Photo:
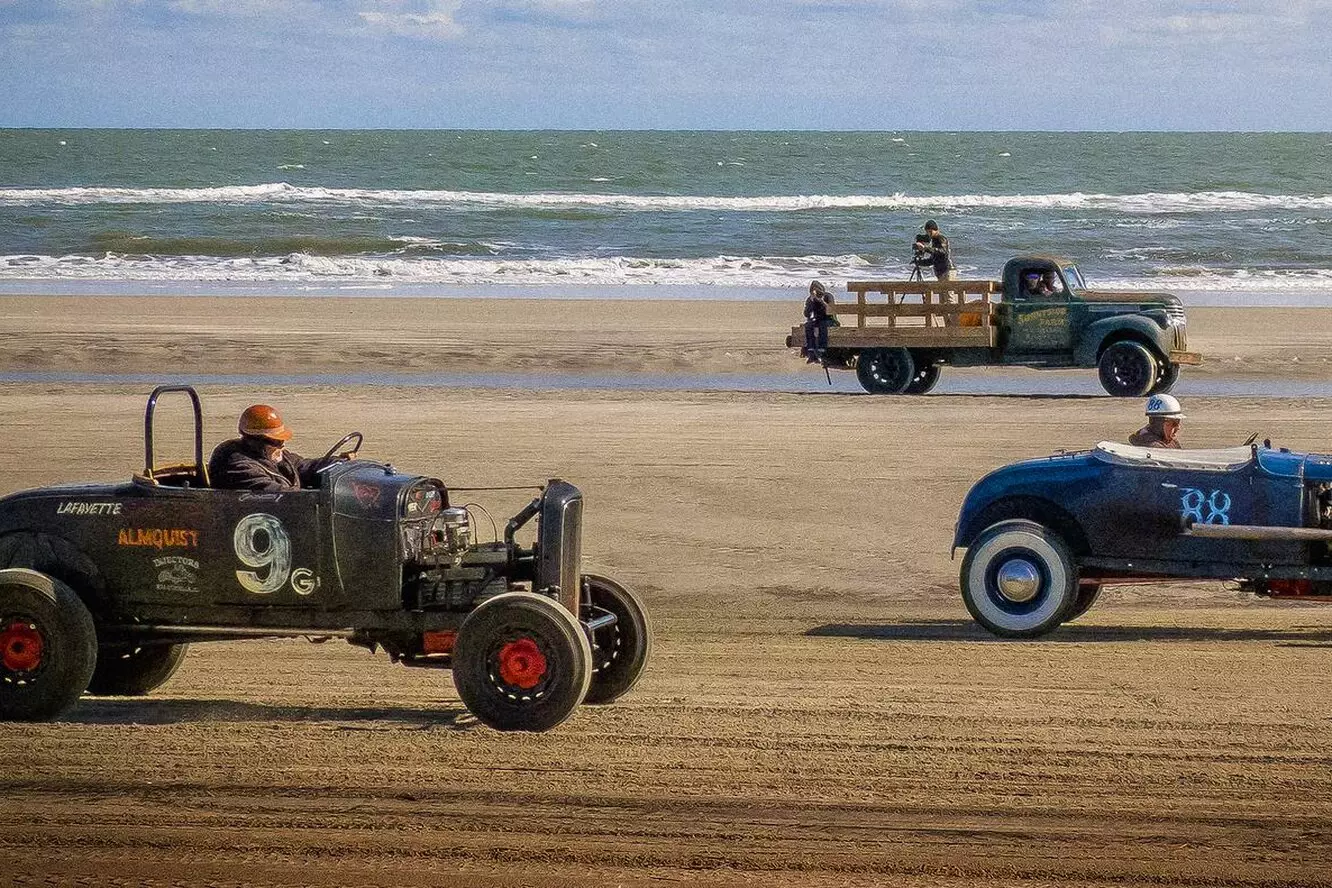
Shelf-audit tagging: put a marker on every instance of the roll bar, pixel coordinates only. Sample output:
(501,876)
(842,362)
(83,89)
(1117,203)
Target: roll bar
(148,427)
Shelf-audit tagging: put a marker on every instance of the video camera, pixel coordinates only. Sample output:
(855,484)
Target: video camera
(922,255)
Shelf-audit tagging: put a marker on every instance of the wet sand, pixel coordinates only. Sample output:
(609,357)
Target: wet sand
(321,335)
(820,709)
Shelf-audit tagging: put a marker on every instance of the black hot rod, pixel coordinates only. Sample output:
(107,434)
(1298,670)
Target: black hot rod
(104,586)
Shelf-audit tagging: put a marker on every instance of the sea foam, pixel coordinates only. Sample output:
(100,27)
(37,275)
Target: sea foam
(1148,203)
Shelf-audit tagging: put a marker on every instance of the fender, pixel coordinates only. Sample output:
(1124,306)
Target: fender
(28,578)
(1088,349)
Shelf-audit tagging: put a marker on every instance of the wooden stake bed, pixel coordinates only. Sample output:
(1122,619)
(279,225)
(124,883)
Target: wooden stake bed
(940,314)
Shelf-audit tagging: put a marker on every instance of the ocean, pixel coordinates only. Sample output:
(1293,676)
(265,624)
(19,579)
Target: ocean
(1219,218)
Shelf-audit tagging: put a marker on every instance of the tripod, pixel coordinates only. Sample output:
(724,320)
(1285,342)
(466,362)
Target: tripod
(916,274)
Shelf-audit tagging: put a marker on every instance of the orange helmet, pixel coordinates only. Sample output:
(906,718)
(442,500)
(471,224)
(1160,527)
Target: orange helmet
(263,421)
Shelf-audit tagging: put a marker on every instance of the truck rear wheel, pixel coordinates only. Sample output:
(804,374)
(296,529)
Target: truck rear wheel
(622,650)
(1127,369)
(1018,579)
(521,662)
(48,645)
(1167,374)
(925,380)
(885,371)
(135,671)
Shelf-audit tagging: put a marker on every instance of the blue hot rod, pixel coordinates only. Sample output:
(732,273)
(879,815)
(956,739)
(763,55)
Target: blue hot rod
(1042,536)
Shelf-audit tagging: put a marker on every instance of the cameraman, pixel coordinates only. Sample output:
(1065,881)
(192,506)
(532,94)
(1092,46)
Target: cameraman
(940,259)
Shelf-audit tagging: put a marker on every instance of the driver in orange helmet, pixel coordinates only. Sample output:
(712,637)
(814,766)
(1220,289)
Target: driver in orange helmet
(259,459)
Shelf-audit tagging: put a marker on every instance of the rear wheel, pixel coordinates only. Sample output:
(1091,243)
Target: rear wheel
(48,646)
(885,371)
(924,381)
(135,671)
(620,651)
(1018,579)
(1127,369)
(521,662)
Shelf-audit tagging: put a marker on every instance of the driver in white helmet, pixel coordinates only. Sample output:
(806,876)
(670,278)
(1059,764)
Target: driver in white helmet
(1162,429)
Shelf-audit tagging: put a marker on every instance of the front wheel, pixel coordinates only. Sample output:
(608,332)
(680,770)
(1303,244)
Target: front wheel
(521,662)
(48,646)
(1018,579)
(135,671)
(620,651)
(1166,377)
(1127,369)
(885,371)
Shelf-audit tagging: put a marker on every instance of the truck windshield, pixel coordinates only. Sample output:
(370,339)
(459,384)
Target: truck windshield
(1074,278)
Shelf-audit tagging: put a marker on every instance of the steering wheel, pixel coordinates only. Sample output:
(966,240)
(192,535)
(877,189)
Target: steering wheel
(336,453)
(1249,440)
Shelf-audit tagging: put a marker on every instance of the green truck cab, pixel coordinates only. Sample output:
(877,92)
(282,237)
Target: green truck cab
(1136,340)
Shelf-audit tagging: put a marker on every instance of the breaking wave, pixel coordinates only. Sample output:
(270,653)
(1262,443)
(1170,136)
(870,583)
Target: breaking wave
(718,271)
(1149,203)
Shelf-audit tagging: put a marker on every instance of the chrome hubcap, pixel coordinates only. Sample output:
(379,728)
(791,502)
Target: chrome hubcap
(1018,580)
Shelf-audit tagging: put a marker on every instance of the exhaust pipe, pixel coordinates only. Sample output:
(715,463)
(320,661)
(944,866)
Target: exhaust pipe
(1256,532)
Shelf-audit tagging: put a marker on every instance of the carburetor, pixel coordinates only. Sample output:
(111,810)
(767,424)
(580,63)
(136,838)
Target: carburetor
(453,533)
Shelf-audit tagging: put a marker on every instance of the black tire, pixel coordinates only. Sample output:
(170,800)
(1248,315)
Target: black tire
(135,671)
(521,662)
(1127,369)
(885,371)
(925,380)
(1018,579)
(48,645)
(1087,595)
(1167,374)
(620,652)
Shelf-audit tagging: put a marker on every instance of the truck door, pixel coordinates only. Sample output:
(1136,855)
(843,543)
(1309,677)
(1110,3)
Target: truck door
(1039,322)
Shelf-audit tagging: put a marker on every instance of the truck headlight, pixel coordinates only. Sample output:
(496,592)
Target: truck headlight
(421,502)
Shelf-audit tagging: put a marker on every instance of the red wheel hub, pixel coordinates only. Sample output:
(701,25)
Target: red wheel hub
(521,664)
(21,646)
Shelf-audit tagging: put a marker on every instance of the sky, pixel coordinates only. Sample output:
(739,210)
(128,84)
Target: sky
(668,64)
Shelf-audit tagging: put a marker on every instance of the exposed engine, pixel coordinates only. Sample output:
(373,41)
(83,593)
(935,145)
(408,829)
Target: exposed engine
(446,568)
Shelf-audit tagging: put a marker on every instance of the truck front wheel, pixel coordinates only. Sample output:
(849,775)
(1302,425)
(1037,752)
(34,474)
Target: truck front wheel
(521,662)
(885,371)
(1127,369)
(1166,377)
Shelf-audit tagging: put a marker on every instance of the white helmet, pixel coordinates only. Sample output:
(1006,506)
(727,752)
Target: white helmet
(1164,405)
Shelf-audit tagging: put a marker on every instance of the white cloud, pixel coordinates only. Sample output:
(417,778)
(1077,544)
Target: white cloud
(434,20)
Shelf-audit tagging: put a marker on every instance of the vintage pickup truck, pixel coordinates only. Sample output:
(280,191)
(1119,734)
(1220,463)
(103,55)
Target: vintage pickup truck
(1136,341)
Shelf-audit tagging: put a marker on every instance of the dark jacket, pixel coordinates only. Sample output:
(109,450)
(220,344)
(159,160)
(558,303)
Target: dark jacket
(1147,437)
(816,308)
(939,251)
(239,464)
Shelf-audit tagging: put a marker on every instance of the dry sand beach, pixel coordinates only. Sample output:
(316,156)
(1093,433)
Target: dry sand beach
(820,709)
